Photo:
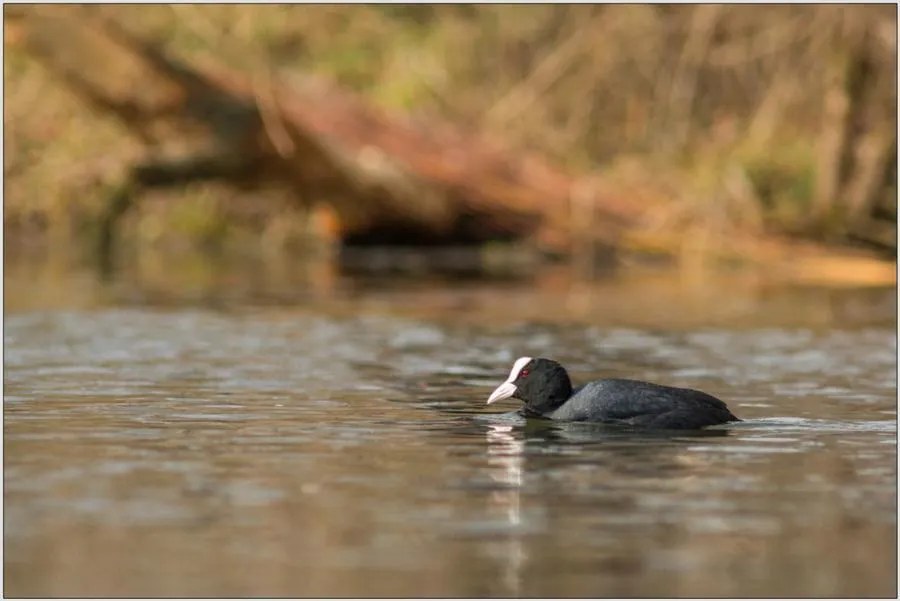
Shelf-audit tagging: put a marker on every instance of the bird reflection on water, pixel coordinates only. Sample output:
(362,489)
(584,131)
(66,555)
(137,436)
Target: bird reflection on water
(506,460)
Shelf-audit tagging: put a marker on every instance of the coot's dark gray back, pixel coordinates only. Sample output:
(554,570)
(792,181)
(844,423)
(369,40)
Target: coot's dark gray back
(643,404)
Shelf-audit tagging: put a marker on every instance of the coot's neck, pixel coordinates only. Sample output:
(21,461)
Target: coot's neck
(549,393)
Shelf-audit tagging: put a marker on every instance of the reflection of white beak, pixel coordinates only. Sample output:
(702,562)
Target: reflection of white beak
(504,391)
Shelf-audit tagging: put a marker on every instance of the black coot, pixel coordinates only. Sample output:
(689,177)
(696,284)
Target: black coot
(545,388)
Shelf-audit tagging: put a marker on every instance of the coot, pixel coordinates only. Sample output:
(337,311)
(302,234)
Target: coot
(544,386)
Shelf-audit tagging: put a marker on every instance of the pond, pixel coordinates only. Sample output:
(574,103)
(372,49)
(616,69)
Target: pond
(278,442)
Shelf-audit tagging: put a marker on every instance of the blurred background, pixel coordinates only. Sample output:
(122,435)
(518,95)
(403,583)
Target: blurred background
(726,134)
(262,262)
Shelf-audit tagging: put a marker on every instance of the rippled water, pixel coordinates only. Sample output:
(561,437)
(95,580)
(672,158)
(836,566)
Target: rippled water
(285,452)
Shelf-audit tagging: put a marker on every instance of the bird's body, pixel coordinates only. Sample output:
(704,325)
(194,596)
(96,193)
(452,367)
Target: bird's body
(644,404)
(545,388)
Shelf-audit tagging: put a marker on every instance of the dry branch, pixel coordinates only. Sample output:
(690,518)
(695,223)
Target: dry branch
(388,180)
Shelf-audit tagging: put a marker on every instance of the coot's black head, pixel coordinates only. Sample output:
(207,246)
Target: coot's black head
(542,384)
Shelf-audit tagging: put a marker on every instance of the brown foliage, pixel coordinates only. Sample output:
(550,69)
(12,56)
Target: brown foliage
(781,117)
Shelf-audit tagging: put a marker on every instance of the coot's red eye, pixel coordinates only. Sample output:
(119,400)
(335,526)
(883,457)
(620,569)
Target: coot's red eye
(523,373)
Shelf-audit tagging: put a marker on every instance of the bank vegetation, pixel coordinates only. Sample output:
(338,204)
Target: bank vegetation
(711,128)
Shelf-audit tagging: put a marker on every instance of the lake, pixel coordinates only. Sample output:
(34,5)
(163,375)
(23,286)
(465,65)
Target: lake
(325,434)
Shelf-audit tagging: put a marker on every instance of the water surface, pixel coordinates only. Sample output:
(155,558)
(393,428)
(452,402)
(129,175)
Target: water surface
(298,451)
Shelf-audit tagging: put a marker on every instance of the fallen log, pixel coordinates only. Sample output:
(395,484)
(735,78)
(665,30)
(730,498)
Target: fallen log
(388,180)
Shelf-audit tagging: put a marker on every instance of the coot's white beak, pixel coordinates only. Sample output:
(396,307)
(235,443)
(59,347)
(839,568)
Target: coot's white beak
(507,389)
(504,391)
